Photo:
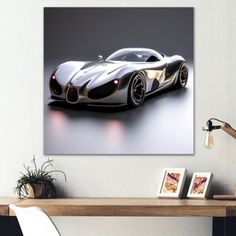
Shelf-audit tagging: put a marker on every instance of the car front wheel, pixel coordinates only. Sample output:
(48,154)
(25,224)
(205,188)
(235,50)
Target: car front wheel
(136,91)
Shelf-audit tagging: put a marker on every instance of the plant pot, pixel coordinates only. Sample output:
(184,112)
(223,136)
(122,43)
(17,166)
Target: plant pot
(40,190)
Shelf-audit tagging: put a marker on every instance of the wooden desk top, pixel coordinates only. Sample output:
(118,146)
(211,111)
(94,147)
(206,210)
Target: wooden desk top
(132,207)
(4,203)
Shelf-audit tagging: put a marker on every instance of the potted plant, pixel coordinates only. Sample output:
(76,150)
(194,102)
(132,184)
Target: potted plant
(37,182)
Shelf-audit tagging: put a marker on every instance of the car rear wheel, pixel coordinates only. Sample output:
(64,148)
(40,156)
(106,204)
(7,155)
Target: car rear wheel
(136,91)
(183,76)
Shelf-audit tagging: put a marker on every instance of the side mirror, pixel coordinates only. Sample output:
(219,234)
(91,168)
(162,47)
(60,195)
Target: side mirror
(100,57)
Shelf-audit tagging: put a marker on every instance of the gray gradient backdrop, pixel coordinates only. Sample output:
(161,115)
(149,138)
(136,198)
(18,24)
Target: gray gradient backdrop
(163,125)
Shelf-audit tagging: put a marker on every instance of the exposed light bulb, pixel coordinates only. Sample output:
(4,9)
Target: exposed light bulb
(209,142)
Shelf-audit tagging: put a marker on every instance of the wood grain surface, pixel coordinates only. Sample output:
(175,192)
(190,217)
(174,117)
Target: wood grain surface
(132,207)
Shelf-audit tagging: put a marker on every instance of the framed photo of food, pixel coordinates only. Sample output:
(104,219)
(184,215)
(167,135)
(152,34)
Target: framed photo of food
(200,185)
(172,183)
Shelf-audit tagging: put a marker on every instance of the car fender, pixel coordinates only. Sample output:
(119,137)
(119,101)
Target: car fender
(66,71)
(174,63)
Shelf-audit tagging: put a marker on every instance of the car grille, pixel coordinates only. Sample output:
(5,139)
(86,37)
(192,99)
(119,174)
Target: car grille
(72,95)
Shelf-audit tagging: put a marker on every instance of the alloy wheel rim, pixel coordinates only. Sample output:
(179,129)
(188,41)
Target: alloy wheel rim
(137,89)
(184,76)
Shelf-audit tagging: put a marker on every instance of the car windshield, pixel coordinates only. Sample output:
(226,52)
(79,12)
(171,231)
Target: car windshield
(134,56)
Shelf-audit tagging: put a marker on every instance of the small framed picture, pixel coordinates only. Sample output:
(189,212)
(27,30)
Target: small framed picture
(172,183)
(200,185)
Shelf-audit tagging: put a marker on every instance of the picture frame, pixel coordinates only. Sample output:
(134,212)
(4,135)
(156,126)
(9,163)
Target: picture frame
(172,183)
(200,185)
(96,116)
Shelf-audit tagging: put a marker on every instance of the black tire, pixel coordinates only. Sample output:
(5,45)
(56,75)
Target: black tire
(137,90)
(182,76)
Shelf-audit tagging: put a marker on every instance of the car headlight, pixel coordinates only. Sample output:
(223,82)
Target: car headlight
(55,86)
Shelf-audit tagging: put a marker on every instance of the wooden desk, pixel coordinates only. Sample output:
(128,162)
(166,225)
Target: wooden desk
(4,203)
(223,212)
(132,207)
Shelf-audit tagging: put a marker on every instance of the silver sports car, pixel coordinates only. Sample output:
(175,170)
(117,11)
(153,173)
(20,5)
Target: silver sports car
(126,77)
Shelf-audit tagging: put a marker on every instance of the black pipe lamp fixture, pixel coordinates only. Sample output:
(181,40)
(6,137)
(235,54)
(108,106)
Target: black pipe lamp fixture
(209,142)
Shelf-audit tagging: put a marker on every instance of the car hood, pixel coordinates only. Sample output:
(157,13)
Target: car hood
(96,73)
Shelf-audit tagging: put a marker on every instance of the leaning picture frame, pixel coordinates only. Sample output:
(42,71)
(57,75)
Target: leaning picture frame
(200,185)
(172,183)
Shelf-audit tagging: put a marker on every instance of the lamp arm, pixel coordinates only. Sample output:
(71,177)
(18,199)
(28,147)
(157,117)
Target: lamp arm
(229,130)
(224,126)
(221,121)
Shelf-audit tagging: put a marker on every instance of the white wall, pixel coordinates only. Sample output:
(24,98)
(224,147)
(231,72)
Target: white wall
(21,119)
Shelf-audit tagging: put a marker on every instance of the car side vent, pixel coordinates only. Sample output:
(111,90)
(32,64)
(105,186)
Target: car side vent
(103,91)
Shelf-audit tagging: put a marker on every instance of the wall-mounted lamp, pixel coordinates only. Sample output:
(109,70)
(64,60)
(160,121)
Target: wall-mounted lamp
(209,142)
